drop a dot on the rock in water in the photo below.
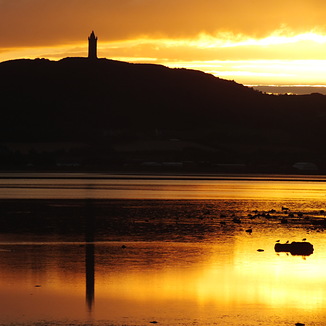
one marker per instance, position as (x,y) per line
(295,248)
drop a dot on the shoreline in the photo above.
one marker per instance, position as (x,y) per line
(166,175)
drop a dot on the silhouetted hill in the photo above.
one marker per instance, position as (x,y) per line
(104,102)
(75,96)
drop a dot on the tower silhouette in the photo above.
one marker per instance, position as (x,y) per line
(92,46)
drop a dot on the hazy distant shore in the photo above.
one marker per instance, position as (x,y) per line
(291,89)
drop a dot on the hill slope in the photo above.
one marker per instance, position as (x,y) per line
(80,93)
(76,99)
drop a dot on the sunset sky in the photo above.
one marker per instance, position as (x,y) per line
(252,42)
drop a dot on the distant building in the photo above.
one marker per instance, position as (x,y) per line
(92,46)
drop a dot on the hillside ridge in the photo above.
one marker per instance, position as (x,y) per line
(105,102)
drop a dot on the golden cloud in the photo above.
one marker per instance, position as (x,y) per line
(232,38)
(39,22)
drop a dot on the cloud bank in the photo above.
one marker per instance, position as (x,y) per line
(249,41)
(46,22)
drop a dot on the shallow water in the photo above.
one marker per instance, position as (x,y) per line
(96,186)
(130,251)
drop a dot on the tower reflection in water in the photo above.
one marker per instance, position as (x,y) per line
(90,275)
(90,225)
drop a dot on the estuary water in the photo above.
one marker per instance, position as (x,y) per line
(102,249)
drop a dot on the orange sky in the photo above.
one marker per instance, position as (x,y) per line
(252,42)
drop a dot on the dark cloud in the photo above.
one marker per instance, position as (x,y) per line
(46,22)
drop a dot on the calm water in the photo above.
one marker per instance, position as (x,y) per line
(80,249)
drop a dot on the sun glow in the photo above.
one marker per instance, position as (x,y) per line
(280,58)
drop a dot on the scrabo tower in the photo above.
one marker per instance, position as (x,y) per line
(92,46)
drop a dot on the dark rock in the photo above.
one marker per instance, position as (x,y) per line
(295,248)
(236,220)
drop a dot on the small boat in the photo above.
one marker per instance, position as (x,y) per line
(295,248)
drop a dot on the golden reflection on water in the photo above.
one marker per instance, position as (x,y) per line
(166,281)
(253,279)
(162,188)
(214,275)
